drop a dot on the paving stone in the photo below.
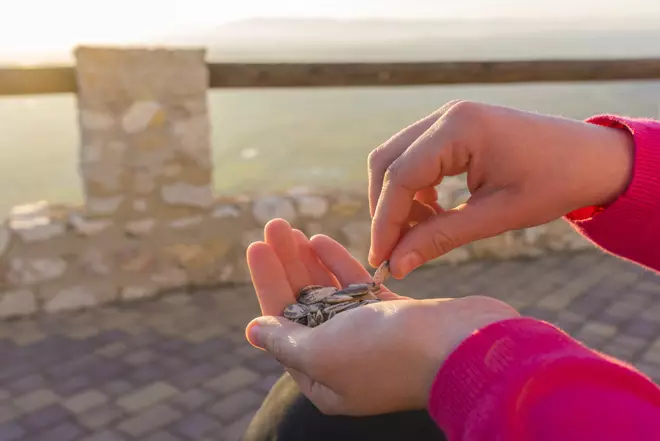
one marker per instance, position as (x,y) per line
(264,364)
(115,388)
(100,417)
(48,416)
(147,396)
(233,406)
(236,430)
(26,384)
(234,379)
(651,356)
(112,350)
(193,398)
(67,431)
(600,329)
(11,431)
(197,425)
(106,435)
(140,357)
(4,394)
(36,400)
(195,375)
(267,383)
(71,386)
(149,420)
(163,436)
(7,412)
(642,328)
(85,400)
(147,374)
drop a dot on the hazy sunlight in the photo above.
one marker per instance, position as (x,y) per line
(33,29)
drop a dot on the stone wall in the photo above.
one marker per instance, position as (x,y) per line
(150,222)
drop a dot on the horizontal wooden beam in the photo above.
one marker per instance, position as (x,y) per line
(47,80)
(37,80)
(428,73)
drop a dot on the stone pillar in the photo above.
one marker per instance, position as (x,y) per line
(145,133)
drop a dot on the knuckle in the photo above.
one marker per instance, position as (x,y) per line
(442,243)
(376,159)
(393,173)
(466,111)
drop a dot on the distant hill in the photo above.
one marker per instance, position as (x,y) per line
(273,40)
(403,40)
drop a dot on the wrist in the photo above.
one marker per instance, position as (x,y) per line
(612,168)
(447,324)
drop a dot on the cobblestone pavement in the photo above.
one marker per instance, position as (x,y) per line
(178,367)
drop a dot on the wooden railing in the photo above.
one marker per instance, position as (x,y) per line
(51,80)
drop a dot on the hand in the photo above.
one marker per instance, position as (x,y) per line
(374,359)
(523,169)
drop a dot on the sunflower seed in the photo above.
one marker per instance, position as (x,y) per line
(338,298)
(340,307)
(317,304)
(356,289)
(317,295)
(382,273)
(295,311)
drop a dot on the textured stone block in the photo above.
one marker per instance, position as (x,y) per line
(147,127)
(17,303)
(36,400)
(233,406)
(85,400)
(233,379)
(147,396)
(196,426)
(150,420)
(100,417)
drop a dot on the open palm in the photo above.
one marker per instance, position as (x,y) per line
(288,261)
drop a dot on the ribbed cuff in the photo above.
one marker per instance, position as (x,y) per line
(635,209)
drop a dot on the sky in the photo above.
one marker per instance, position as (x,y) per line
(31,27)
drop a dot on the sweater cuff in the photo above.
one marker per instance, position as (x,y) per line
(512,362)
(631,209)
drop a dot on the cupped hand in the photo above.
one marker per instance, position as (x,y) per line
(523,169)
(375,359)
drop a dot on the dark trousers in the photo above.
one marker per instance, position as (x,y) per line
(286,415)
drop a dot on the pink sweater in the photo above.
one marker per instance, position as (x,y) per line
(524,379)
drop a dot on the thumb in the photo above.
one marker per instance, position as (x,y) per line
(479,218)
(281,338)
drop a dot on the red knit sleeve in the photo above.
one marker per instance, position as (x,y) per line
(630,226)
(523,379)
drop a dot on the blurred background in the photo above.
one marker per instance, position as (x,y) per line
(279,138)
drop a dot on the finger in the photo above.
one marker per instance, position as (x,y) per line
(422,165)
(391,149)
(279,235)
(381,158)
(269,278)
(346,268)
(419,212)
(319,274)
(285,340)
(479,218)
(427,196)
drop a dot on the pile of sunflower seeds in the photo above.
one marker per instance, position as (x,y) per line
(317,304)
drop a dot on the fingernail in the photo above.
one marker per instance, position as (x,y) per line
(254,335)
(256,329)
(410,261)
